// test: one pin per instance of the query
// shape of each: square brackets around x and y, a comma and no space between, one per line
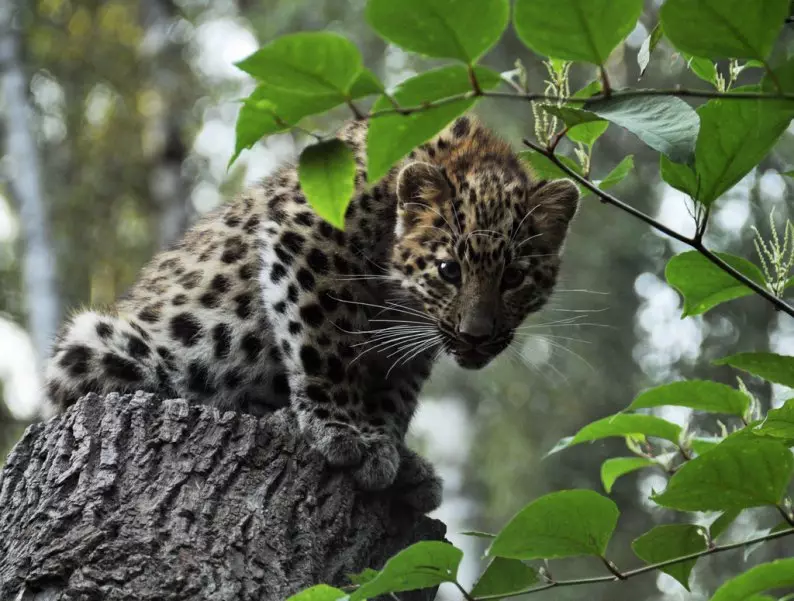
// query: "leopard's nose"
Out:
[476,327]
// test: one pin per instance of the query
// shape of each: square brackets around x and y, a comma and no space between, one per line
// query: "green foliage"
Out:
[503,577]
[736,28]
[702,395]
[707,144]
[393,136]
[441,28]
[319,592]
[742,471]
[421,565]
[575,30]
[326,172]
[568,523]
[666,542]
[704,285]
[769,366]
[614,468]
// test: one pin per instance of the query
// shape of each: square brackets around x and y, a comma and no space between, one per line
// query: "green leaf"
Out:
[478,534]
[742,471]
[776,574]
[627,424]
[366,575]
[319,592]
[668,542]
[734,137]
[724,28]
[779,423]
[309,63]
[542,167]
[591,89]
[568,523]
[366,84]
[768,366]
[702,395]
[614,468]
[574,30]
[704,68]
[703,285]
[503,577]
[326,172]
[620,171]
[666,124]
[681,177]
[703,444]
[722,523]
[647,47]
[393,136]
[424,564]
[587,133]
[584,126]
[440,28]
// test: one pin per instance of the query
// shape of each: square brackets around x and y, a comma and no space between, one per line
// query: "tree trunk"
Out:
[128,497]
[24,176]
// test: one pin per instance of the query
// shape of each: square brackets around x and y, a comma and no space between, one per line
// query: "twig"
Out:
[644,569]
[778,303]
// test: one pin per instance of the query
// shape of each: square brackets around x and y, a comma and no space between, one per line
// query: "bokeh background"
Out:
[118,118]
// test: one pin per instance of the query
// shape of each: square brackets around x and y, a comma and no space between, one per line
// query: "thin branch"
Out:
[530,97]
[778,303]
[644,569]
[786,515]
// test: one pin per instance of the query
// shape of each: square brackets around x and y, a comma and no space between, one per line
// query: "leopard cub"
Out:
[262,304]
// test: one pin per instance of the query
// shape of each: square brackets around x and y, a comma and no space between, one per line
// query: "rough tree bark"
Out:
[129,497]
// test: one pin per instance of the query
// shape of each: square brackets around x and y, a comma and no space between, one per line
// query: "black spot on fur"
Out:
[76,359]
[210,300]
[277,273]
[186,329]
[222,336]
[461,127]
[232,379]
[220,283]
[251,224]
[312,315]
[252,346]
[281,384]
[304,218]
[179,299]
[232,221]
[104,330]
[295,327]
[150,313]
[317,260]
[280,307]
[121,368]
[328,302]
[317,394]
[292,293]
[247,271]
[243,305]
[198,379]
[312,363]
[137,348]
[305,279]
[191,279]
[336,371]
[234,250]
[292,241]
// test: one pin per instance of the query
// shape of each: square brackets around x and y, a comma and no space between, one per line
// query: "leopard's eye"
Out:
[450,271]
[512,277]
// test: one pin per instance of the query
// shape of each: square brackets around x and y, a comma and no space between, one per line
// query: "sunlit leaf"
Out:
[504,576]
[703,285]
[424,564]
[568,523]
[768,366]
[575,30]
[441,28]
[668,542]
[309,63]
[776,574]
[704,68]
[319,592]
[647,47]
[703,395]
[724,28]
[614,468]
[740,472]
[326,172]
[779,423]
[627,424]
[392,136]
[621,170]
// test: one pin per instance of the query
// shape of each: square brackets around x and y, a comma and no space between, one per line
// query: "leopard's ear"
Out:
[557,202]
[421,183]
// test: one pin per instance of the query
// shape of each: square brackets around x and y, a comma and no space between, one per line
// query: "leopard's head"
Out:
[478,241]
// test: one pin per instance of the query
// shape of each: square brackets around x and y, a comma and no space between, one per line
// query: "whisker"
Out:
[431,209]
[372,305]
[580,290]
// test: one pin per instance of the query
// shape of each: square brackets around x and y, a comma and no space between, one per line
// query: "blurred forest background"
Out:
[118,121]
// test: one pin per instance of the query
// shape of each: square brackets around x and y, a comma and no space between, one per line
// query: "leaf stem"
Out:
[778,303]
[613,568]
[786,515]
[644,569]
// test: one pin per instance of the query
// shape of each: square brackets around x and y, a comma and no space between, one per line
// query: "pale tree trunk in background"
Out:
[167,185]
[23,172]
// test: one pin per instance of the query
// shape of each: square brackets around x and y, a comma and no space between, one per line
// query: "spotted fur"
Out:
[262,304]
